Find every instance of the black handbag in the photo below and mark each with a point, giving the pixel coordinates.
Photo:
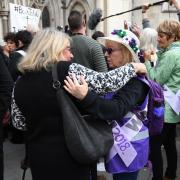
(87, 138)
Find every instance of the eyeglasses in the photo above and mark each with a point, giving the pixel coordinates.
(111, 50)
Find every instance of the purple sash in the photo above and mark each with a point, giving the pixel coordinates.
(140, 144)
(133, 143)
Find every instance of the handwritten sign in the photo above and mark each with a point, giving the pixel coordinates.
(21, 16)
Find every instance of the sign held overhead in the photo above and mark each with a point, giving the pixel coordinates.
(22, 16)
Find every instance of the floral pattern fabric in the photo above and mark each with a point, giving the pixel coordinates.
(99, 82)
(102, 82)
(18, 120)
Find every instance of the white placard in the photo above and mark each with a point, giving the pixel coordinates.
(21, 16)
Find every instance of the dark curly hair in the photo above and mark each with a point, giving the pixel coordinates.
(25, 37)
(11, 36)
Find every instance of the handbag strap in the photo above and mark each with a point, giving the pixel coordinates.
(56, 82)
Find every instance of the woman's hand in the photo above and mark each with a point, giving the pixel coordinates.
(78, 90)
(175, 3)
(150, 55)
(145, 7)
(140, 68)
(136, 30)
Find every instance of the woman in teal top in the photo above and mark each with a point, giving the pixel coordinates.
(167, 73)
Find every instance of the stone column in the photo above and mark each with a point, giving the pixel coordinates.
(63, 2)
(5, 25)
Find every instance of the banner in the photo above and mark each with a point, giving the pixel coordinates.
(21, 16)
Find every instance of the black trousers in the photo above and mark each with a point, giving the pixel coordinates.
(168, 139)
(169, 142)
(93, 171)
(156, 157)
(1, 151)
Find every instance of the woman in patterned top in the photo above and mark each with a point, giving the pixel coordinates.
(35, 100)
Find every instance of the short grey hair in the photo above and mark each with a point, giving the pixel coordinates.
(148, 39)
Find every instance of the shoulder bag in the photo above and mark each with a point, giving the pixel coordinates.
(87, 138)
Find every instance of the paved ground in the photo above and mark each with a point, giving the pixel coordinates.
(14, 153)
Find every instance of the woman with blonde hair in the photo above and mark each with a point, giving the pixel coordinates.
(34, 99)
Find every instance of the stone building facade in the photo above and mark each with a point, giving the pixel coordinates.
(55, 12)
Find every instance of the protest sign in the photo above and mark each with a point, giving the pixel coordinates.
(22, 16)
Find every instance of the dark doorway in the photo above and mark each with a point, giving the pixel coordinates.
(45, 18)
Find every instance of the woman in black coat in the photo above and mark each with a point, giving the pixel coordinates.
(35, 99)
(6, 85)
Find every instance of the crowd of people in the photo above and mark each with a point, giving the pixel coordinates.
(105, 77)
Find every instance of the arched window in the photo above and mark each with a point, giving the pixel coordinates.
(45, 18)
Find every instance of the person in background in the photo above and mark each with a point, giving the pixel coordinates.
(45, 137)
(23, 39)
(4, 56)
(145, 19)
(145, 22)
(168, 43)
(97, 34)
(10, 39)
(167, 73)
(176, 5)
(86, 50)
(148, 44)
(122, 48)
(6, 86)
(8, 46)
(4, 52)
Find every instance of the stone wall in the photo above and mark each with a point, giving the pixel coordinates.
(60, 9)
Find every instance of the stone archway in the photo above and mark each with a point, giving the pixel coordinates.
(81, 6)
